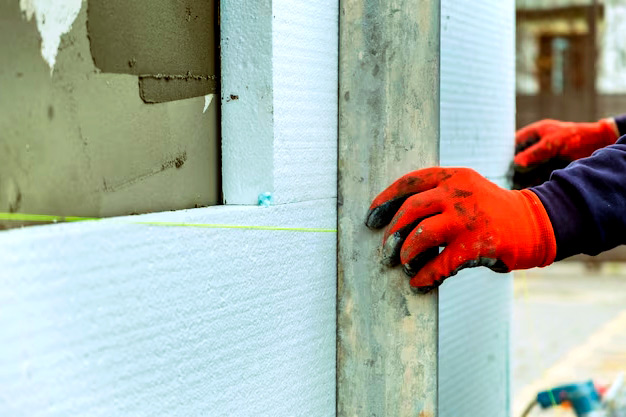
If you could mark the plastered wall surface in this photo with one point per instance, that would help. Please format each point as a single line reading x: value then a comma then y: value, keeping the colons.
x: 477, y: 126
x: 171, y: 46
x: 109, y: 318
x: 76, y: 141
x: 103, y: 318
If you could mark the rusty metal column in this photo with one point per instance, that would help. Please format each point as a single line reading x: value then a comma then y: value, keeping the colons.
x: 388, y: 126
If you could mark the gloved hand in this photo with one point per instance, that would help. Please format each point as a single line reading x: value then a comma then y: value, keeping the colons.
x: 479, y: 223
x: 547, y: 139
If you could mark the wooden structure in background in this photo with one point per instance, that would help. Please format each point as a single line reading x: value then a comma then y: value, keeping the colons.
x: 566, y: 76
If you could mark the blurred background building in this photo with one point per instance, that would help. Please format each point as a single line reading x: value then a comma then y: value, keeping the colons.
x: 569, y: 317
x: 571, y: 59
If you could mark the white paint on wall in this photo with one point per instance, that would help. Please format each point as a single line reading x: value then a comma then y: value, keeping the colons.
x: 477, y: 130
x: 54, y: 19
x: 612, y: 60
x: 102, y: 318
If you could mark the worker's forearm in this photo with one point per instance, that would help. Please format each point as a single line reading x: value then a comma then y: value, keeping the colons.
x: 586, y: 201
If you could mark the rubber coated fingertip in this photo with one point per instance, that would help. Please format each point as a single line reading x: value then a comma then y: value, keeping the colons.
x: 524, y: 169
x: 427, y: 288
x: 391, y: 250
x: 412, y: 267
x: 373, y: 220
x: 381, y: 215
x: 522, y: 146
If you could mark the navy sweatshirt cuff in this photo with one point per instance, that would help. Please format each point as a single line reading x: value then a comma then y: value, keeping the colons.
x: 620, y: 121
x: 566, y: 216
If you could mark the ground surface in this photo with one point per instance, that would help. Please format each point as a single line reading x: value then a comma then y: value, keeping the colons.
x: 569, y: 324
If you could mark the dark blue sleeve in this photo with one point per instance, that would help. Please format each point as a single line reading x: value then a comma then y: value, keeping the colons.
x: 586, y: 202
x: 620, y: 121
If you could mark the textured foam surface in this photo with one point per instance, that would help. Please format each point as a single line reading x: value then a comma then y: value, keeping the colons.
x: 104, y: 318
x: 288, y: 81
x: 477, y: 125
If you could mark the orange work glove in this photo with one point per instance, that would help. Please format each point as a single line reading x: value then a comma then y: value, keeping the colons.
x: 479, y: 223
x: 547, y: 139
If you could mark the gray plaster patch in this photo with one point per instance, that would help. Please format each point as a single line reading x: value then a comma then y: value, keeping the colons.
x: 170, y: 45
x: 159, y: 89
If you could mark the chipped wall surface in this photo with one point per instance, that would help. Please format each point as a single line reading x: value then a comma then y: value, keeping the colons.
x: 54, y: 19
x: 477, y: 130
x: 80, y: 142
x: 110, y: 318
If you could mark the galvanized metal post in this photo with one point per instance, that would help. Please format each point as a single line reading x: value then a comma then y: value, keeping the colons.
x: 388, y: 125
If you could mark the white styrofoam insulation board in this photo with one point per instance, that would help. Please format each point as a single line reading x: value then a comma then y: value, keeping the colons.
x: 109, y: 318
x: 247, y: 100
x: 282, y: 80
x: 305, y: 48
x: 477, y: 127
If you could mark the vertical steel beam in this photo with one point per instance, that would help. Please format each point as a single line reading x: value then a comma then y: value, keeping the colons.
x: 388, y: 125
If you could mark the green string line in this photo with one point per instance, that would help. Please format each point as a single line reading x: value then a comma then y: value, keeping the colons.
x: 65, y: 219
x: 43, y: 218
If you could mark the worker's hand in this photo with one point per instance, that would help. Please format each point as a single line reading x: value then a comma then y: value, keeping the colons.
x: 547, y: 139
x: 478, y: 222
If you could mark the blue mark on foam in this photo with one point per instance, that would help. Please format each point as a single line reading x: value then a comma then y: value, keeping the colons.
x: 265, y: 199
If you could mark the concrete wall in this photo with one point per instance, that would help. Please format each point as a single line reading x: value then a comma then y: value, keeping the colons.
x: 75, y: 140
x: 111, y: 318
x: 477, y: 124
